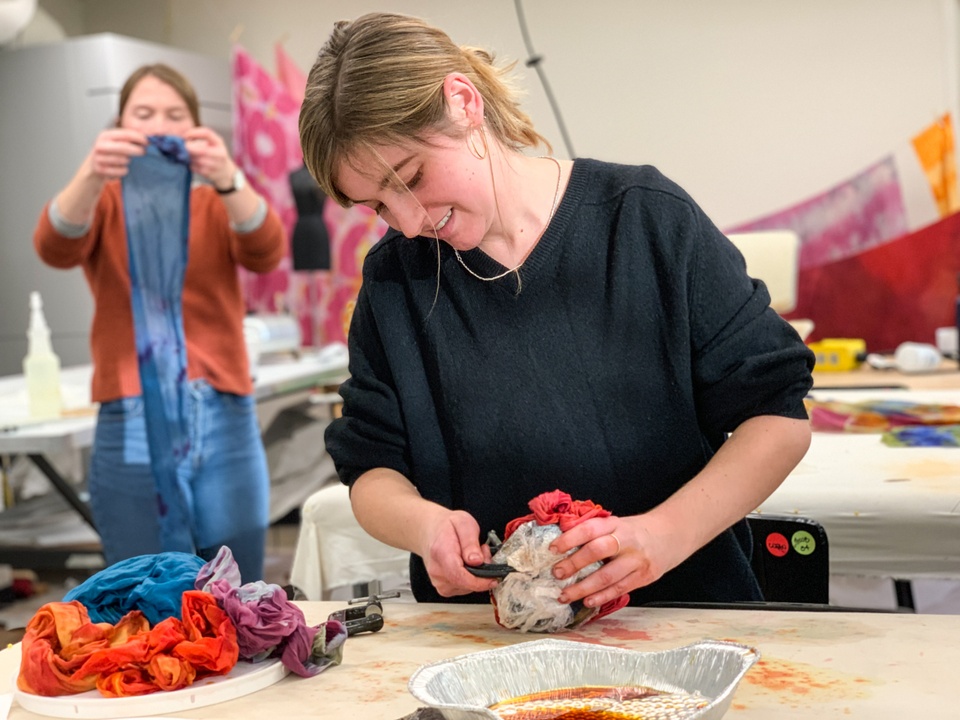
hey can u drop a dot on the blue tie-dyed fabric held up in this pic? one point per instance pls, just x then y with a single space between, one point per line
156 200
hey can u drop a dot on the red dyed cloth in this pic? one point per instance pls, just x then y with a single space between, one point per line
558 508
898 291
64 653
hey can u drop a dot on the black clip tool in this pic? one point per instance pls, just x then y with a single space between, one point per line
361 618
489 570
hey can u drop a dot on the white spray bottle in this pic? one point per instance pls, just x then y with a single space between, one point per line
41 366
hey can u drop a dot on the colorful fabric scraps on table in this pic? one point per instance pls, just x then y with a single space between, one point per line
903 424
877 415
923 436
178 620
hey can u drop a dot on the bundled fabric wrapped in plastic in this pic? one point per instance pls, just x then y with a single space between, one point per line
526 599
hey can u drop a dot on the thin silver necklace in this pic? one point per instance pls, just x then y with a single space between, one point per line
553 209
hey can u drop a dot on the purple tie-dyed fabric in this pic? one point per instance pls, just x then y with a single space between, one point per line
268 624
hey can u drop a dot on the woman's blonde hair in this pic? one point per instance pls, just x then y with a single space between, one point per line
166 74
378 80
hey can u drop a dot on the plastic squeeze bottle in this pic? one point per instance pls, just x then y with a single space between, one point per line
41 366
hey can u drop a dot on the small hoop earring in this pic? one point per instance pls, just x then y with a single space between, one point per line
472 144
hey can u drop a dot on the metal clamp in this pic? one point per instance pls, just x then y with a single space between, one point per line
367 617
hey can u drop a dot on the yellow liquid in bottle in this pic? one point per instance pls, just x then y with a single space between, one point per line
42 374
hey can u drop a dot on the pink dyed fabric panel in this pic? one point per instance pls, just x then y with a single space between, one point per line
856 215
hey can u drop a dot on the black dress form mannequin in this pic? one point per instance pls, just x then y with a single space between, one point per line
310 244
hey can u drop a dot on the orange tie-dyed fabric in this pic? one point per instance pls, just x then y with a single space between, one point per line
63 653
935 149
58 641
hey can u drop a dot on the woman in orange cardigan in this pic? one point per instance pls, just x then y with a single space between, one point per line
222 477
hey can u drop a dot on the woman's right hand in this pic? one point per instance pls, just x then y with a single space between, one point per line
109 159
391 509
450 542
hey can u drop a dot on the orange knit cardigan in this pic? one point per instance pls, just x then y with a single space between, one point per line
213 305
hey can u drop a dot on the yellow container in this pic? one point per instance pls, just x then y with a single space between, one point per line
838 354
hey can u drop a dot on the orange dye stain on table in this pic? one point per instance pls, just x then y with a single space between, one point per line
478 639
451 625
383 681
606 632
934 474
793 679
623 633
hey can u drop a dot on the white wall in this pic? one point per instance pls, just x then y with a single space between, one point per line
752 105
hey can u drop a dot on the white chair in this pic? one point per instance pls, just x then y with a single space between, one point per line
333 552
774 257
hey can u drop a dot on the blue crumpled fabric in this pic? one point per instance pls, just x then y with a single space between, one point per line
156 202
172 147
153 584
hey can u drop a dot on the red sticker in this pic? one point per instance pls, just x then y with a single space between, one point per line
777 544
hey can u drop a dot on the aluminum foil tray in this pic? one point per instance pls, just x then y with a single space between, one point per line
463 687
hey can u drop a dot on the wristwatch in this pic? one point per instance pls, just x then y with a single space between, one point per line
239 181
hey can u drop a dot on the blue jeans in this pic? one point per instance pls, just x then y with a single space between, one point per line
226 471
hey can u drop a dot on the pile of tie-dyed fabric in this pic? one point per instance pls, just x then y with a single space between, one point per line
162 622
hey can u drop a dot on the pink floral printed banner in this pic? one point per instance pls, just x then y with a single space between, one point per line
856 215
266 145
289 75
267 149
353 231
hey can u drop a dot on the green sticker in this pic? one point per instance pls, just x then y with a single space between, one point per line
803 542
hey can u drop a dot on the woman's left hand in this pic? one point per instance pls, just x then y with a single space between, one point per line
209 157
633 556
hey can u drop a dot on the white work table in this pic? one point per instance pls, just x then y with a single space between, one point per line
20 434
827 665
889 512
279 383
